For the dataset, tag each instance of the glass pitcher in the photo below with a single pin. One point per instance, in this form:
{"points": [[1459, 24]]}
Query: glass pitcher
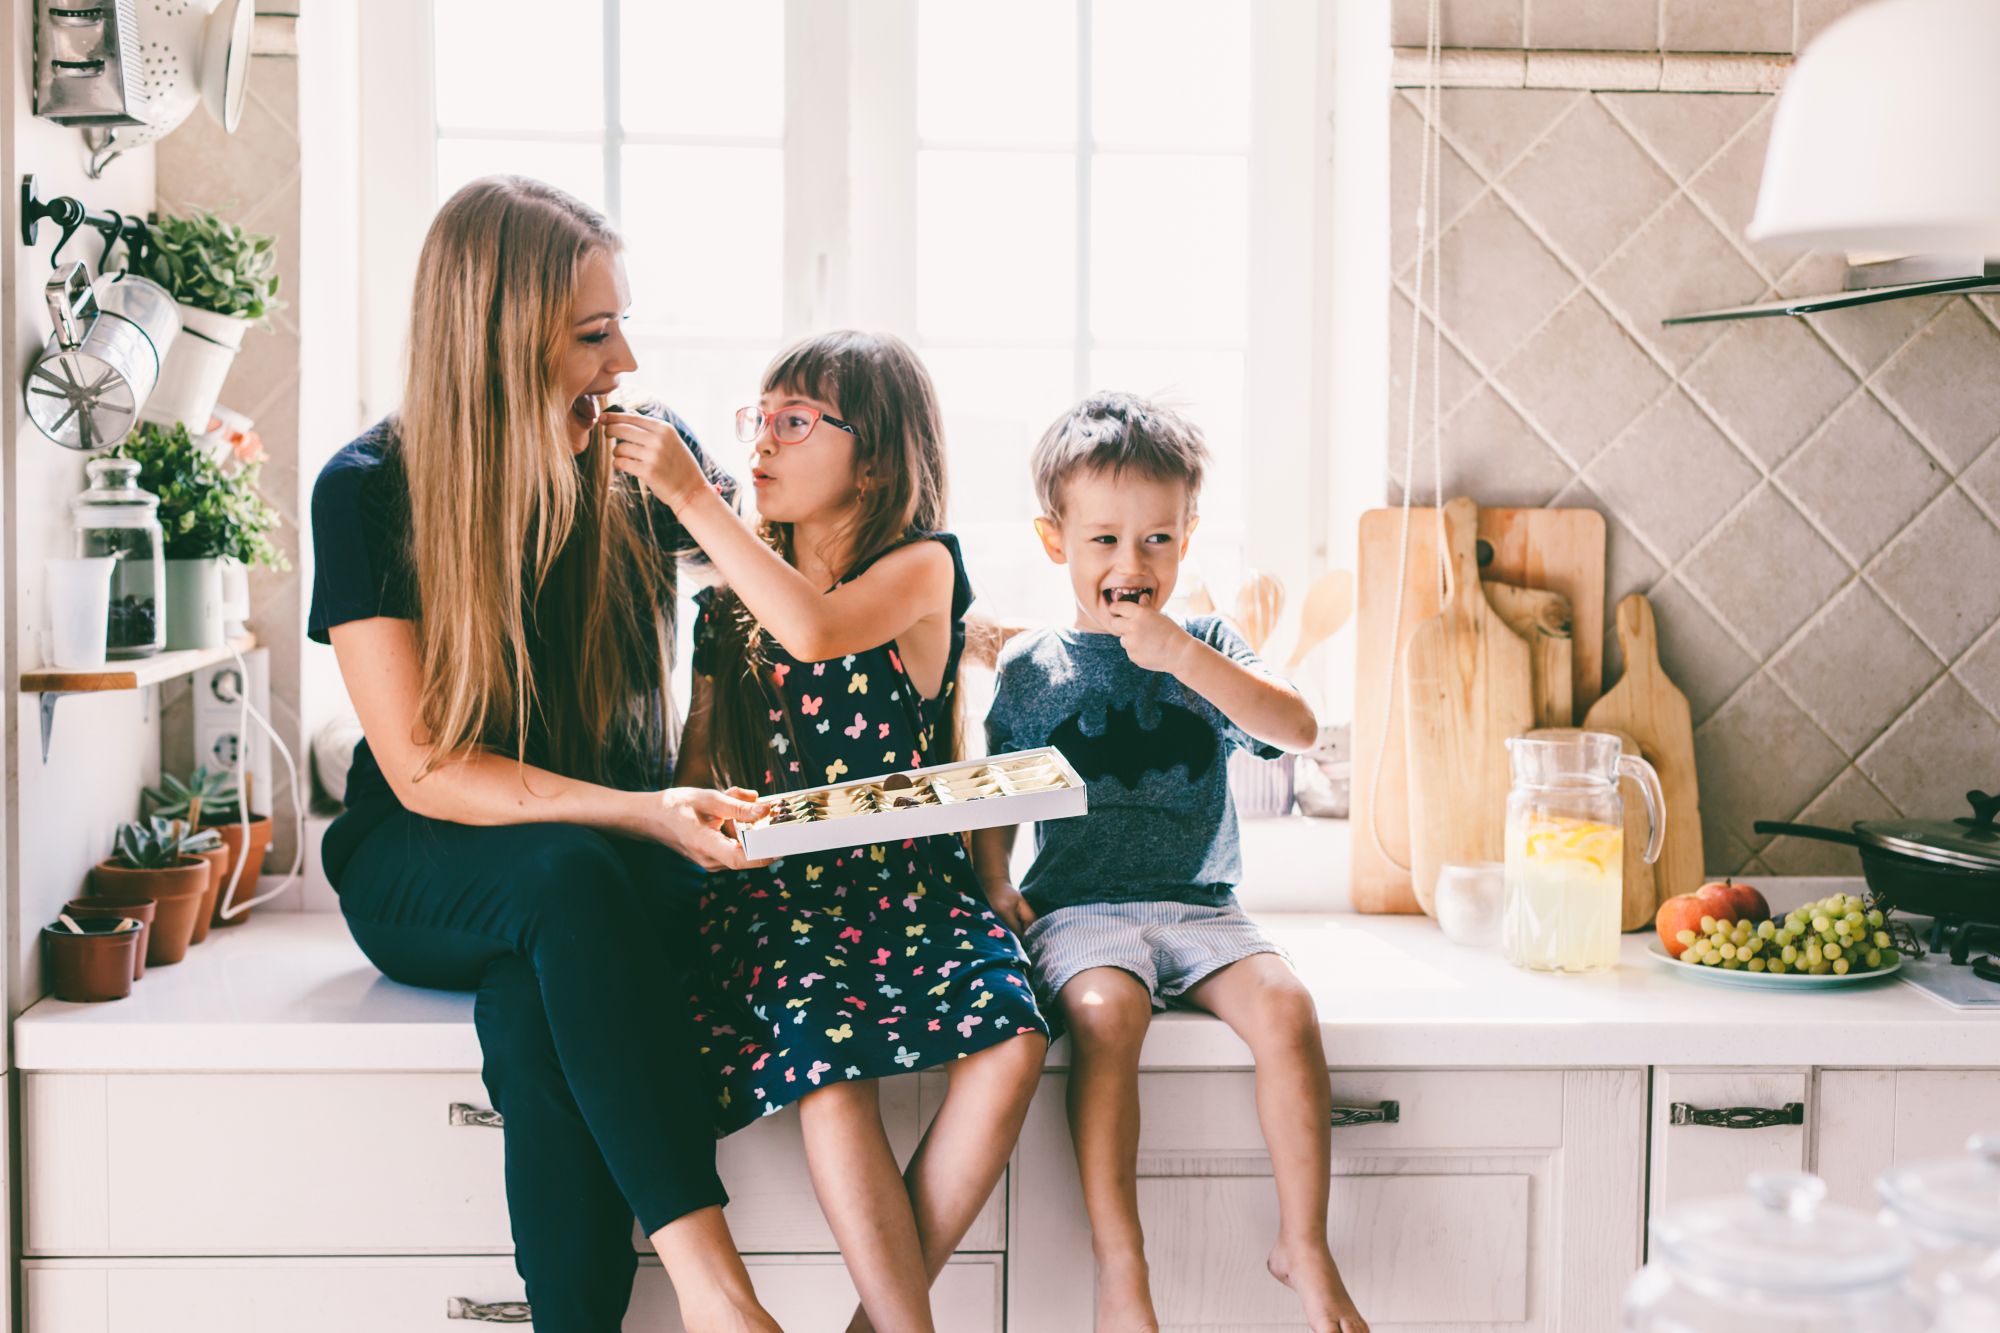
{"points": [[1951, 1210], [1565, 869]]}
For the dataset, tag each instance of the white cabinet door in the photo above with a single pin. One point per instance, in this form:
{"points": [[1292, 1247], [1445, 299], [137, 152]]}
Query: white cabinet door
{"points": [[1713, 1127], [1494, 1200], [805, 1293], [1869, 1120]]}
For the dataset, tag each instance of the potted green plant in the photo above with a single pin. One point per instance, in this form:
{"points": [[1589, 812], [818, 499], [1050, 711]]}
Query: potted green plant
{"points": [[225, 279], [151, 860], [208, 513], [208, 799]]}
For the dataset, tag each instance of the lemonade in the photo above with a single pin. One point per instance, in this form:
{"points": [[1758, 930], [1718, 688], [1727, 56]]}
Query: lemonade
{"points": [[1564, 892]]}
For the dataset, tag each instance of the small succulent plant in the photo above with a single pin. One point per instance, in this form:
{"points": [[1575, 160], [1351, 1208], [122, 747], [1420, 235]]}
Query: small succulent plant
{"points": [[160, 844], [204, 794]]}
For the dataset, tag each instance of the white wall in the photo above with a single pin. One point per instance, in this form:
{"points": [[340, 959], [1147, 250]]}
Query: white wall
{"points": [[59, 817]]}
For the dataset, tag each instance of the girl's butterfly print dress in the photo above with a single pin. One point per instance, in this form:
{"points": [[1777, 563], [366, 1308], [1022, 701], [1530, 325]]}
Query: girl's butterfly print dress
{"points": [[861, 963]]}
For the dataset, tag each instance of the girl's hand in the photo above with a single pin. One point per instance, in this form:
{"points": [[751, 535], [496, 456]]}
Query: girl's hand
{"points": [[654, 452], [700, 823], [1010, 906], [1153, 641]]}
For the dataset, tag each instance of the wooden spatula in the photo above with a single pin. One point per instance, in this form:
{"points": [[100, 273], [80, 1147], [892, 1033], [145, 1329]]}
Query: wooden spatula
{"points": [[1328, 604], [1650, 709], [1544, 620], [1469, 685], [1258, 603]]}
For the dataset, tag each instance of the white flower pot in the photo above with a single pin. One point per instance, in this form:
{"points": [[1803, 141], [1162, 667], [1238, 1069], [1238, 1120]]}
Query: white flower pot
{"points": [[196, 364]]}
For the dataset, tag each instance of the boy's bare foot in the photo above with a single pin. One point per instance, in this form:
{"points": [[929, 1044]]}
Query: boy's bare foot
{"points": [[1309, 1270], [1125, 1297]]}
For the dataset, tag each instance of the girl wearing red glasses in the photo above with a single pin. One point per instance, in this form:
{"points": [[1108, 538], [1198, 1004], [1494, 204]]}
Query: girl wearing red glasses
{"points": [[832, 653]]}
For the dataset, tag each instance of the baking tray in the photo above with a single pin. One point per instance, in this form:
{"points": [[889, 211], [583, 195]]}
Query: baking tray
{"points": [[1020, 787]]}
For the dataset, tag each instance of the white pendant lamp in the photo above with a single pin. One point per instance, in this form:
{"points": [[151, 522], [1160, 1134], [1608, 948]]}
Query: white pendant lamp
{"points": [[1887, 134]]}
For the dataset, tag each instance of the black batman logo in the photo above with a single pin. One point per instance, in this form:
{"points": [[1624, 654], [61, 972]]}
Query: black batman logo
{"points": [[1127, 751]]}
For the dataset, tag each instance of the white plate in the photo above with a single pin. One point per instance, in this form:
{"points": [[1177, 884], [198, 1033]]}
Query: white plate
{"points": [[1722, 976]]}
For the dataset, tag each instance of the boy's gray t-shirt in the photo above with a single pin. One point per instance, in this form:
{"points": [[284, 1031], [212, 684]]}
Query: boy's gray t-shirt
{"points": [[1154, 754]]}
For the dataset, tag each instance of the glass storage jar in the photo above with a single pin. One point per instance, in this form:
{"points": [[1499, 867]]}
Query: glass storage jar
{"points": [[114, 517], [1779, 1259], [1951, 1209]]}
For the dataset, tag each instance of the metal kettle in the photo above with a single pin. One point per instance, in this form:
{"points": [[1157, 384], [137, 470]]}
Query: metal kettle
{"points": [[86, 388]]}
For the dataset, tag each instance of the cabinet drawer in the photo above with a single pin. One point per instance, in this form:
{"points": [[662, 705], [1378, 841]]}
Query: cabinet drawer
{"points": [[437, 1295], [1763, 1114], [329, 1164]]}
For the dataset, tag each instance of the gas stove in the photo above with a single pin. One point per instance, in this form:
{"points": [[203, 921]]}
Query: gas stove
{"points": [[1960, 968]]}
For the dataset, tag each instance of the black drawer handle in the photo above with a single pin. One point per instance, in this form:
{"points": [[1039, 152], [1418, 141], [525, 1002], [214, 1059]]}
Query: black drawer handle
{"points": [[499, 1312], [465, 1115], [1738, 1117], [1387, 1113]]}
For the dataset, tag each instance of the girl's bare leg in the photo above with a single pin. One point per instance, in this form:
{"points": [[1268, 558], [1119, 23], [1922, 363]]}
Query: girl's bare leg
{"points": [[862, 1194], [708, 1275]]}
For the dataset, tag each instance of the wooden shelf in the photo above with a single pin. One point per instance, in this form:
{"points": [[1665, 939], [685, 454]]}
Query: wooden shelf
{"points": [[129, 675], [52, 684]]}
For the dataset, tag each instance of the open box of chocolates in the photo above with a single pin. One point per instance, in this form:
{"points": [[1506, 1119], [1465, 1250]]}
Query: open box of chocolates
{"points": [[1023, 787]]}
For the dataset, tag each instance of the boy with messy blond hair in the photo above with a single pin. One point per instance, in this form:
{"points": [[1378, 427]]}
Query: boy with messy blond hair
{"points": [[1133, 905]]}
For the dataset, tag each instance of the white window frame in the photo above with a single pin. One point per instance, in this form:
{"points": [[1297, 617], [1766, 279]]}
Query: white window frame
{"points": [[849, 260]]}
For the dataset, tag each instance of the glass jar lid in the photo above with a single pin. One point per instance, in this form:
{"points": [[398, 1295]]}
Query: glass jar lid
{"points": [[114, 498], [1780, 1238], [1956, 1200]]}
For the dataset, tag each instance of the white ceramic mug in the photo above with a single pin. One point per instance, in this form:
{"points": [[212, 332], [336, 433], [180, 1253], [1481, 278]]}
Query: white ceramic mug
{"points": [[79, 611]]}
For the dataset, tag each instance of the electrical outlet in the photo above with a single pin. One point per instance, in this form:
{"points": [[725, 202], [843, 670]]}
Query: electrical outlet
{"points": [[218, 717]]}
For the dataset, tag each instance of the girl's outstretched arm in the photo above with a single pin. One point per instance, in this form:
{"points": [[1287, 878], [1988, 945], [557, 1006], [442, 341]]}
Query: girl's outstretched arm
{"points": [[812, 624]]}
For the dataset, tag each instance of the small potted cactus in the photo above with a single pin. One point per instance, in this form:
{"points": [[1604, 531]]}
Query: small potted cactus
{"points": [[151, 860], [207, 799]]}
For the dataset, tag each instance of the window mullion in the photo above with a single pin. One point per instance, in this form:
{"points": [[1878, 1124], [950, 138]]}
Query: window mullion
{"points": [[614, 125]]}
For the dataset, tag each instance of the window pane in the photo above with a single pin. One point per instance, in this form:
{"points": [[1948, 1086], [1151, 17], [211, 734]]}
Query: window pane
{"points": [[1168, 247], [996, 404], [1170, 73], [705, 385], [575, 167], [996, 248], [1003, 74], [689, 68], [704, 238], [508, 65]]}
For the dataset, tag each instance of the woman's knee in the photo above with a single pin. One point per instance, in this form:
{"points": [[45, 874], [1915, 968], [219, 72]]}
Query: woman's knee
{"points": [[572, 876]]}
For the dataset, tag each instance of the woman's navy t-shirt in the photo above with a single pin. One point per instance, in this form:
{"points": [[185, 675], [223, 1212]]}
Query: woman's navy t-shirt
{"points": [[362, 569]]}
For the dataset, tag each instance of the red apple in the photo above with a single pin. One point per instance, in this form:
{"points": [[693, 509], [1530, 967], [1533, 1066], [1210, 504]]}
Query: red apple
{"points": [[1746, 903], [1719, 901], [1676, 914]]}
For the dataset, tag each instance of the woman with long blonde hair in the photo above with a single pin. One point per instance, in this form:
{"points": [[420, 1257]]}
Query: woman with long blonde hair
{"points": [[501, 606]]}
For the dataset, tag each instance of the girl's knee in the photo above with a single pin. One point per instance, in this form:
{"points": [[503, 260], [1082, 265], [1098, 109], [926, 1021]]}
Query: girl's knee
{"points": [[850, 1097]]}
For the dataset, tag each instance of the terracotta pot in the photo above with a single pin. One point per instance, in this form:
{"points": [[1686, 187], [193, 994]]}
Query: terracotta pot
{"points": [[218, 865], [109, 908], [253, 862], [178, 890], [94, 966]]}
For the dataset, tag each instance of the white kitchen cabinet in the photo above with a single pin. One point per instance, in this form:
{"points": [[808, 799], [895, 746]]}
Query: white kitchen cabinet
{"points": [[1711, 1128], [805, 1293], [1493, 1200], [1869, 1120]]}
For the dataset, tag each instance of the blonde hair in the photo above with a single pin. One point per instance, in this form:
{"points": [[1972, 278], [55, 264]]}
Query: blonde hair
{"points": [[520, 548]]}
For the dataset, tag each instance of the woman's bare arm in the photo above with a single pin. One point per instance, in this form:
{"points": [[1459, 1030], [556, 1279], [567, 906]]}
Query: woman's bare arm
{"points": [[379, 663]]}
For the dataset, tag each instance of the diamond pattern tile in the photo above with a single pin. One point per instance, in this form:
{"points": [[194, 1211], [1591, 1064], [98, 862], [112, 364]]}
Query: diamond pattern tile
{"points": [[1817, 668], [1849, 800], [1493, 455], [1728, 187], [1760, 757], [1683, 131], [1939, 574], [1677, 263], [1460, 379], [1588, 156], [1862, 477], [1672, 476], [1982, 479], [1457, 182], [1770, 381], [1979, 670], [1698, 654], [1867, 334], [1499, 281], [1582, 342], [1938, 751], [1765, 570], [1493, 127], [1946, 383]]}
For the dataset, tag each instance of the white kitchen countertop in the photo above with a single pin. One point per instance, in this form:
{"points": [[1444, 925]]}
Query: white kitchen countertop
{"points": [[290, 991]]}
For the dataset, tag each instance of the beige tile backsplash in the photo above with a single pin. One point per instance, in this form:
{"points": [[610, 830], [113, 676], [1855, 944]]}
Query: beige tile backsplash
{"points": [[1813, 504]]}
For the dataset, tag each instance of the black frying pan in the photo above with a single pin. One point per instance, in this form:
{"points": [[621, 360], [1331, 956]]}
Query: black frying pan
{"points": [[1935, 868]]}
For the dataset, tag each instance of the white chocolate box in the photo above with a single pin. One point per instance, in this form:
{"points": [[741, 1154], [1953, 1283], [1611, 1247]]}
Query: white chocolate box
{"points": [[1021, 787]]}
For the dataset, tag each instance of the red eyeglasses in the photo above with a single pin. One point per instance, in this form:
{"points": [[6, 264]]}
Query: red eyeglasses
{"points": [[791, 425]]}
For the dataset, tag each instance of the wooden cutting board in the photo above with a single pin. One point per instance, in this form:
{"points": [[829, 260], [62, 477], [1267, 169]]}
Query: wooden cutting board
{"points": [[1561, 550], [1468, 686], [1650, 709], [1641, 889], [1543, 619]]}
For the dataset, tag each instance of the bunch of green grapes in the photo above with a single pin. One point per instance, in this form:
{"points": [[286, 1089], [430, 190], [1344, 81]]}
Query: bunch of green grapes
{"points": [[1831, 937]]}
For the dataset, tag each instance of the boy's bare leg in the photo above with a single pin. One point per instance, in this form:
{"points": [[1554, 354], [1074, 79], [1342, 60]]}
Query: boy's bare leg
{"points": [[1262, 999], [861, 1191], [954, 1169], [1108, 1010]]}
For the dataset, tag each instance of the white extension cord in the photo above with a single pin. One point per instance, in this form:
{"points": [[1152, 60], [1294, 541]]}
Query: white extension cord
{"points": [[229, 908]]}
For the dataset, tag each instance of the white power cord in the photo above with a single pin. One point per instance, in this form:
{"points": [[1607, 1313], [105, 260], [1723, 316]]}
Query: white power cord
{"points": [[229, 908]]}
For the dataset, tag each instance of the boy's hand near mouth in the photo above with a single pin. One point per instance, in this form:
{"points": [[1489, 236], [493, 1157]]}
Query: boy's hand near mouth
{"points": [[1150, 639]]}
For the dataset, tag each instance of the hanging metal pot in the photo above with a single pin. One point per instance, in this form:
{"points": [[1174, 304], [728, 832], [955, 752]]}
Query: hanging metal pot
{"points": [[86, 388]]}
